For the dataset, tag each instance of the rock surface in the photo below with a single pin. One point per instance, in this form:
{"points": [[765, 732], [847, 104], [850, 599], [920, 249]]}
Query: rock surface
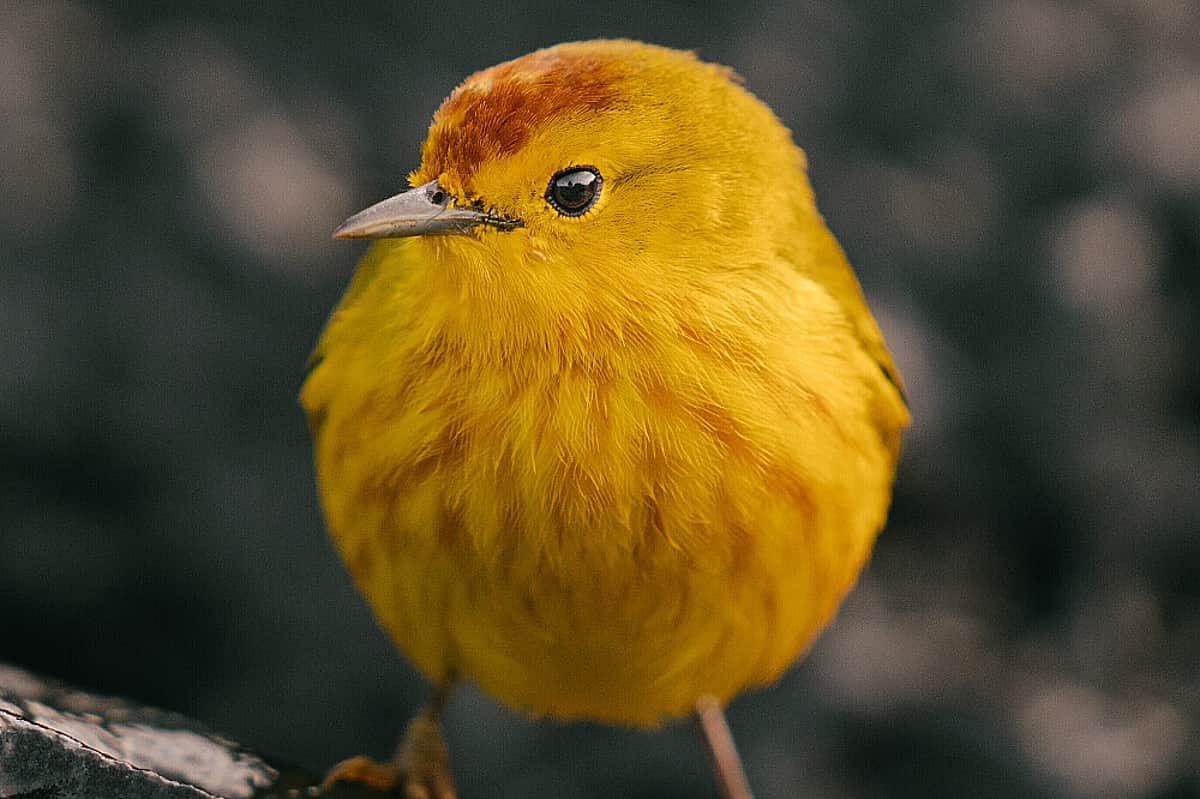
{"points": [[60, 743]]}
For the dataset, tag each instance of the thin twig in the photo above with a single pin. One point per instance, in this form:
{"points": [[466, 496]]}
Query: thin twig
{"points": [[722, 751]]}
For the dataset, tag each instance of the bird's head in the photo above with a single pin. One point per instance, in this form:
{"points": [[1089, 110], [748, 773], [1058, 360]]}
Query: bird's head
{"points": [[598, 174]]}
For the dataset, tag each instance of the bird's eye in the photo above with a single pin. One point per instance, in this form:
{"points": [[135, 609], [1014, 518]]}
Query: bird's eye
{"points": [[574, 190]]}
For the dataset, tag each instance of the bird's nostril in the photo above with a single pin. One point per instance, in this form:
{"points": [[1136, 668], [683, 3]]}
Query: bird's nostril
{"points": [[438, 197]]}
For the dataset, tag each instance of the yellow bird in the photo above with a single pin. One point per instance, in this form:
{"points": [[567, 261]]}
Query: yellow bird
{"points": [[603, 422]]}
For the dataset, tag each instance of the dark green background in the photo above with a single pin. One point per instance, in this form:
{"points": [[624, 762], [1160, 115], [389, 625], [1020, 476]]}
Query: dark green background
{"points": [[1017, 182]]}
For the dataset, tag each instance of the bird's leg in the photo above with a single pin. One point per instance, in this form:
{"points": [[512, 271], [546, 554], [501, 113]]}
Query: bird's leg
{"points": [[722, 751], [420, 769]]}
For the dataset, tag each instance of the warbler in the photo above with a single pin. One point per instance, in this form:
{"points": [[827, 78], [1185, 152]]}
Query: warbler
{"points": [[603, 422]]}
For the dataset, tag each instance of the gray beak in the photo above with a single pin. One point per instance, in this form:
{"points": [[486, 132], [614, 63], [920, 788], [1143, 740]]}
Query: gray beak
{"points": [[422, 211]]}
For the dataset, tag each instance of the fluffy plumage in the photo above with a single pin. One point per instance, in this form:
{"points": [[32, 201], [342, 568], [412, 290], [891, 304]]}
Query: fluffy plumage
{"points": [[603, 465]]}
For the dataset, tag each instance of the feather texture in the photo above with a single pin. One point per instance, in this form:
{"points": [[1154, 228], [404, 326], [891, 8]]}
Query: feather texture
{"points": [[603, 465]]}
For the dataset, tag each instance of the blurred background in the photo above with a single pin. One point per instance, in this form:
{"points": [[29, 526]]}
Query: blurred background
{"points": [[1016, 181]]}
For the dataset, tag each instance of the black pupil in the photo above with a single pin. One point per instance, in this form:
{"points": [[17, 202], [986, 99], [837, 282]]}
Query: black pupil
{"points": [[575, 190]]}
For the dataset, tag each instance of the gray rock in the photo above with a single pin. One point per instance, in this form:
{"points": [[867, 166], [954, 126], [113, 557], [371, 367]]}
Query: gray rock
{"points": [[60, 743]]}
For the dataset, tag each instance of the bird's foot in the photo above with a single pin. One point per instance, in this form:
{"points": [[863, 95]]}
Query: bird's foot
{"points": [[362, 770], [420, 770], [391, 779]]}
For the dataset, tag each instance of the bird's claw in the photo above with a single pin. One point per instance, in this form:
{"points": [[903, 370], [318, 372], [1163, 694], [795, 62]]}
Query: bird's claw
{"points": [[392, 779]]}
